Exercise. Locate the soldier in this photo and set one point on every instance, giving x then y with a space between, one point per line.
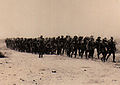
104 49
35 48
68 46
83 48
80 45
62 42
98 46
58 45
53 45
91 47
86 42
111 49
74 46
67 39
41 47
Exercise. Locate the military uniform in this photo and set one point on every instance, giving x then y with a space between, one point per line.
111 48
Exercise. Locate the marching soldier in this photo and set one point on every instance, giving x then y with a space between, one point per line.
41 47
104 49
86 42
59 44
80 45
98 46
74 46
91 47
111 49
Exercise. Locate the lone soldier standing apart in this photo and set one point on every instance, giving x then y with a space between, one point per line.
111 49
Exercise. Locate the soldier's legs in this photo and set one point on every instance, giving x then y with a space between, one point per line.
89 54
82 52
58 51
108 56
71 53
79 52
39 55
68 52
114 57
98 53
92 53
104 57
86 54
63 50
75 53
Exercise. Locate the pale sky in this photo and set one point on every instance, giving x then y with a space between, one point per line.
31 18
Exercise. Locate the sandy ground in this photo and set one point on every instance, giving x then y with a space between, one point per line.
27 69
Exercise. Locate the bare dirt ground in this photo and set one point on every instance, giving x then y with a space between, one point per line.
27 69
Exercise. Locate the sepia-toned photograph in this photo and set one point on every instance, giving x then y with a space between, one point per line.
59 42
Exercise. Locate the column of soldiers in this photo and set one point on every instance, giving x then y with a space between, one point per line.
65 45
